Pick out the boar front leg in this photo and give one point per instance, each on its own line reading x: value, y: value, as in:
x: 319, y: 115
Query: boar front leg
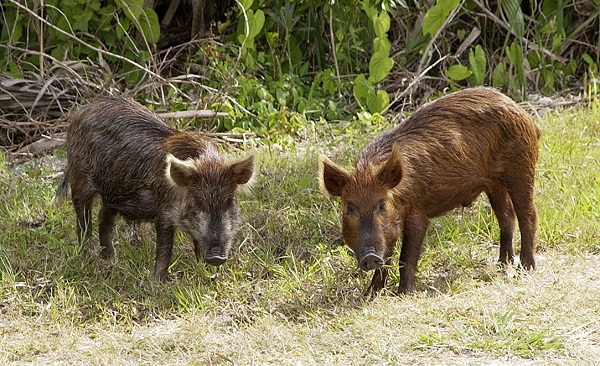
x: 165, y: 232
x: 415, y: 227
x: 379, y: 279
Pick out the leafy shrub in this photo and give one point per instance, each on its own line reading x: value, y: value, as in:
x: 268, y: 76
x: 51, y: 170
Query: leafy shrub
x: 77, y: 29
x: 278, y: 65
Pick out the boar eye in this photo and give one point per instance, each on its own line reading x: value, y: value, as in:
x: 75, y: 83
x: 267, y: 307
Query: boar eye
x: 381, y: 207
x: 351, y: 209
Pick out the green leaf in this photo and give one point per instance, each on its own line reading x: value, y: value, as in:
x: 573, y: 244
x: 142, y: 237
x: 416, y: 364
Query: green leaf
x: 514, y: 15
x: 122, y: 27
x: 367, y: 97
x: 437, y: 15
x: 16, y: 32
x: 379, y: 67
x: 588, y: 59
x: 361, y: 89
x: 295, y: 52
x: 381, y: 24
x: 14, y: 69
x: 249, y: 43
x: 13, y: 29
x: 382, y: 45
x: 109, y: 36
x: 548, y: 78
x: 246, y: 4
x: 80, y: 22
x: 339, y: 35
x: 377, y: 102
x: 256, y: 23
x: 272, y: 38
x: 133, y: 9
x: 64, y: 24
x: 369, y: 9
x: 478, y: 63
x: 361, y: 86
x: 95, y: 5
x: 150, y: 26
x: 515, y: 56
x: 458, y: 72
x: 499, y: 75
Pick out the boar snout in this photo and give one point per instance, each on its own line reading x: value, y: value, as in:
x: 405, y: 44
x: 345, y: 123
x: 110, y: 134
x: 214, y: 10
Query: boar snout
x: 215, y: 256
x: 370, y: 260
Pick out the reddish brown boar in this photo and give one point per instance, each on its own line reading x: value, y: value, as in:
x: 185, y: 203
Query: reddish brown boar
x: 441, y: 157
x: 144, y: 169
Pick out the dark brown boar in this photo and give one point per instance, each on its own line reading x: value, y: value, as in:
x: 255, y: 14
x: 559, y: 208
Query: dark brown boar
x: 441, y: 157
x: 143, y: 169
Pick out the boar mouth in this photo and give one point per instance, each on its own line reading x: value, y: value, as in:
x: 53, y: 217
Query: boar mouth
x: 369, y: 260
x: 215, y: 257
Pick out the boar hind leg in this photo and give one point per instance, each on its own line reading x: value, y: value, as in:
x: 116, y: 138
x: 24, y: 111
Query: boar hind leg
x: 503, y: 209
x: 415, y: 227
x: 83, y: 211
x: 107, y: 222
x: 522, y: 199
x: 164, y: 249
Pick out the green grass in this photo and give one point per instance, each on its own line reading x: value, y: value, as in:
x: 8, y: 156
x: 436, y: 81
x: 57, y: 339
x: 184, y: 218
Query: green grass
x: 292, y: 293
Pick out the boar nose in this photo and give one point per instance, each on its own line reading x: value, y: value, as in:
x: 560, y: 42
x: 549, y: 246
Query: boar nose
x: 370, y: 260
x: 215, y: 256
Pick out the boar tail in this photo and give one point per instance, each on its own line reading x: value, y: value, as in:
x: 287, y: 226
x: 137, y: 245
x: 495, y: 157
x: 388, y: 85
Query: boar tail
x: 61, y: 192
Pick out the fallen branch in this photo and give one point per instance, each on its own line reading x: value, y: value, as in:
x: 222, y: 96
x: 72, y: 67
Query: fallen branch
x: 233, y: 135
x: 203, y: 113
x: 42, y: 145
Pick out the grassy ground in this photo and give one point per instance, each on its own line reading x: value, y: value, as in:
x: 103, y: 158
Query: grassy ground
x: 292, y: 294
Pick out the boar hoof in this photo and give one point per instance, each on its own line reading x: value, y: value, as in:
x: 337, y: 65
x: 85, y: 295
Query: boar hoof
x: 370, y: 261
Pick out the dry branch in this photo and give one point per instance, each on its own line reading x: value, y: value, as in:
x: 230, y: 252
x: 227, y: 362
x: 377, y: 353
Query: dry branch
x: 203, y: 113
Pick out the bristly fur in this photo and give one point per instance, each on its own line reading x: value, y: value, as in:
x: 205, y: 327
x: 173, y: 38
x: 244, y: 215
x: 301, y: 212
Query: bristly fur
x: 443, y: 156
x: 119, y: 150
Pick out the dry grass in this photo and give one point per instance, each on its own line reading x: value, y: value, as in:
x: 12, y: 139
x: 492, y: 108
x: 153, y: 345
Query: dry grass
x: 549, y: 317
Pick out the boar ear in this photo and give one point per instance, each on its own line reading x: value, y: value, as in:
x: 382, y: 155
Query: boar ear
x: 391, y: 172
x: 180, y: 172
x: 332, y: 178
x: 243, y: 170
